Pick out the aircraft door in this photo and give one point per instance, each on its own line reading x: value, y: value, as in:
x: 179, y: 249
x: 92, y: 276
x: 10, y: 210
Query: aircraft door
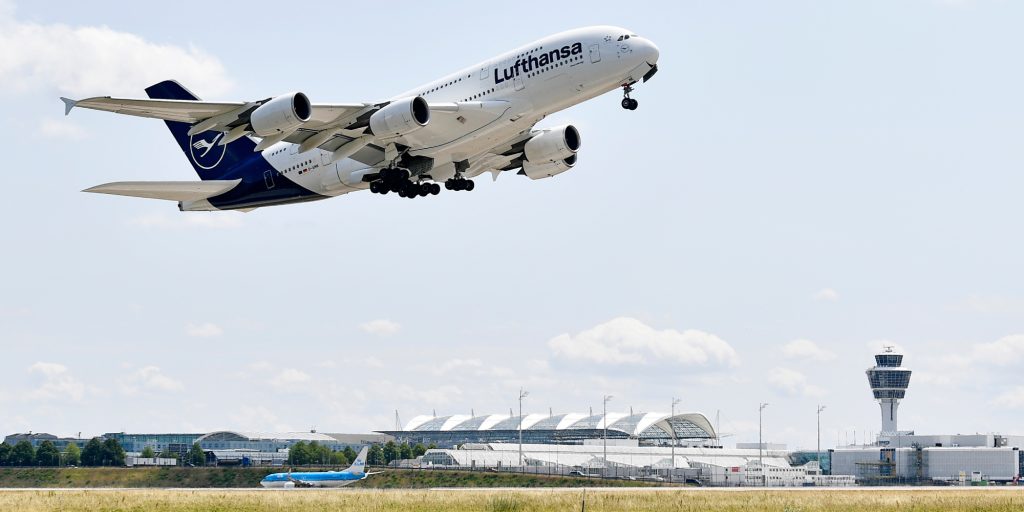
x: 595, y: 53
x: 519, y: 83
x: 268, y: 179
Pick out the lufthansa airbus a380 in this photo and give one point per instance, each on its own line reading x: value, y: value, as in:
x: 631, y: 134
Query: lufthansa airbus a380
x: 479, y: 119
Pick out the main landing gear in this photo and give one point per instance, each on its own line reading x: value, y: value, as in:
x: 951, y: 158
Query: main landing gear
x: 459, y: 183
x: 397, y: 180
x: 627, y: 102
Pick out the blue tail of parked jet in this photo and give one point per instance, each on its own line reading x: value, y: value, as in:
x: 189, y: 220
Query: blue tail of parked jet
x: 210, y: 160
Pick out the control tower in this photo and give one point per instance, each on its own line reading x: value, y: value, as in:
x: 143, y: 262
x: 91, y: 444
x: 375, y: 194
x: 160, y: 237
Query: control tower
x: 889, y: 383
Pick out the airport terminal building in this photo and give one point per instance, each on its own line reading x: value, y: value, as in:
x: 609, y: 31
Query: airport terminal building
x: 648, y: 429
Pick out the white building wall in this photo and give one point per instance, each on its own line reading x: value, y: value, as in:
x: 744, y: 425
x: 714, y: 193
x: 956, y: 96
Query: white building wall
x: 993, y: 464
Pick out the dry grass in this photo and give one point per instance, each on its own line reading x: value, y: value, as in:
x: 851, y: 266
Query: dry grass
x: 513, y: 501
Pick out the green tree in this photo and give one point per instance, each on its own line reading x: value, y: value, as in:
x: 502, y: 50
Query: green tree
x: 196, y: 456
x: 47, y: 454
x: 148, y: 453
x: 418, y: 450
x: 375, y: 456
x: 350, y: 454
x: 298, y: 454
x: 405, y: 451
x: 5, y: 454
x: 113, y: 454
x: 23, y: 454
x: 72, y: 455
x: 432, y: 446
x: 92, y: 455
x: 339, y: 459
x: 318, y: 453
x: 390, y: 452
x: 168, y: 454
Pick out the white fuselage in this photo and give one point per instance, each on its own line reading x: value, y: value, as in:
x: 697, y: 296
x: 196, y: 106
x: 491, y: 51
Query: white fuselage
x: 497, y: 99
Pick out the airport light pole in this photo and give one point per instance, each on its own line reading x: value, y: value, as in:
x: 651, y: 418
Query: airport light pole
x: 760, y: 444
x: 604, y: 468
x: 522, y: 394
x: 672, y: 469
x: 820, y: 408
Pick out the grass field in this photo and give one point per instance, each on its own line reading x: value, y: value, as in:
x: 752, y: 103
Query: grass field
x: 515, y: 500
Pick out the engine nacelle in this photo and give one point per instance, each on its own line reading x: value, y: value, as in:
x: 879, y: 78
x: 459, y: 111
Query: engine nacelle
x: 400, y: 117
x: 282, y: 114
x: 553, y: 145
x: 548, y: 169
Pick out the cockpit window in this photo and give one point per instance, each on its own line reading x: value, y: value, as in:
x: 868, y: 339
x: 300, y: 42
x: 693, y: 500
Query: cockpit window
x: 624, y: 37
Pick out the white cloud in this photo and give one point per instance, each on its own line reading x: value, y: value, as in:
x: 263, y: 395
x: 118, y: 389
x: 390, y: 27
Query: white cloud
x: 1008, y: 350
x: 203, y: 330
x: 1013, y: 398
x: 191, y: 220
x: 381, y: 327
x: 289, y: 377
x: 457, y: 364
x: 628, y: 340
x: 806, y: 349
x: 471, y: 367
x: 57, y: 383
x: 149, y: 378
x: 97, y: 60
x: 259, y: 417
x: 826, y: 295
x: 62, y: 129
x: 421, y: 395
x: 991, y: 305
x: 792, y: 382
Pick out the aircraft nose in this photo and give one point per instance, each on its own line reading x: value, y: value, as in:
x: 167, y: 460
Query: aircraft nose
x: 650, y: 52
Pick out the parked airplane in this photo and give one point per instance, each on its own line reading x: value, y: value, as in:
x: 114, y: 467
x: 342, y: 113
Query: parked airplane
x: 286, y: 149
x: 354, y: 473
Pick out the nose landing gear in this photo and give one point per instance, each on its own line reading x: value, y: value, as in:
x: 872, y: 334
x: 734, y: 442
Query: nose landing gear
x: 627, y: 102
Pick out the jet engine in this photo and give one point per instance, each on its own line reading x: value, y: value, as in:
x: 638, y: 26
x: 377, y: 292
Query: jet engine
x: 400, y: 117
x: 553, y: 145
x: 282, y: 114
x: 548, y: 169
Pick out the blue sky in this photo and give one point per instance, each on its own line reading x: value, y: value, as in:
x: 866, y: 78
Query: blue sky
x: 803, y: 182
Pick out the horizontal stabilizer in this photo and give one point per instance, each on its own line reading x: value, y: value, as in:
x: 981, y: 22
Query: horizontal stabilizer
x: 169, y: 190
x: 68, y: 104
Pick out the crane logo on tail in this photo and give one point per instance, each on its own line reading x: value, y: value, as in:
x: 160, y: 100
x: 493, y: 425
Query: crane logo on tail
x: 207, y: 154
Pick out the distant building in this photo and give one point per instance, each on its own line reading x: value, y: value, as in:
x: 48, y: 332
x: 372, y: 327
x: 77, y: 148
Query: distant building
x: 648, y: 429
x: 136, y: 443
x: 278, y: 441
x: 221, y: 448
x: 628, y: 459
x: 889, y: 383
x: 36, y: 439
x: 902, y: 455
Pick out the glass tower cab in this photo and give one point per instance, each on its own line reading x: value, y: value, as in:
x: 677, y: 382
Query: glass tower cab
x: 889, y: 382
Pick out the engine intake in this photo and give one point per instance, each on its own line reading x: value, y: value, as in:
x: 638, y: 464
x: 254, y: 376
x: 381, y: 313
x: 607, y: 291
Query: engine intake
x: 553, y: 145
x: 282, y: 114
x: 548, y: 169
x: 400, y: 117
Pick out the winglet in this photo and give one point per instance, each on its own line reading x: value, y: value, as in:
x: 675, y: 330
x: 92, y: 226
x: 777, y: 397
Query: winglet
x: 68, y: 104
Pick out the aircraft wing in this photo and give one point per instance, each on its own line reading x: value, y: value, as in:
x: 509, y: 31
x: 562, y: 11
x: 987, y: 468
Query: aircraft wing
x: 196, y: 111
x: 169, y: 190
x: 505, y: 156
x: 328, y: 124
